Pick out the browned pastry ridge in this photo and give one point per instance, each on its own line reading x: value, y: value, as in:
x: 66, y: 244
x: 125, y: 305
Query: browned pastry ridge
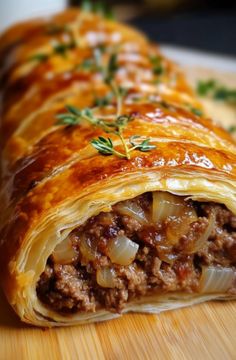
x: 146, y: 225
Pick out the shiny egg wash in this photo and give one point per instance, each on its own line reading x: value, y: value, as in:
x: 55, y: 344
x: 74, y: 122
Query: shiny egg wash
x: 117, y: 193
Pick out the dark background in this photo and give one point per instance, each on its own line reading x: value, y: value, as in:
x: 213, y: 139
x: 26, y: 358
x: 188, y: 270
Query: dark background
x: 208, y: 25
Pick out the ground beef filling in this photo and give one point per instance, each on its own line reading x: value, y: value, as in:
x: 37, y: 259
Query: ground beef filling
x: 161, y: 264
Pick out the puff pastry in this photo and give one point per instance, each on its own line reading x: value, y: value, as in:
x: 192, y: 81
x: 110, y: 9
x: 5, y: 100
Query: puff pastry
x: 86, y: 236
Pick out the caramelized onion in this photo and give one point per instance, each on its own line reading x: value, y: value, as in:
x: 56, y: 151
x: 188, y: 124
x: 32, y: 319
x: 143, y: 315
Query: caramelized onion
x: 122, y: 250
x: 105, y: 277
x: 64, y: 253
x: 87, y: 251
x: 165, y: 205
x: 176, y: 212
x: 177, y: 227
x: 216, y: 279
x: 133, y: 210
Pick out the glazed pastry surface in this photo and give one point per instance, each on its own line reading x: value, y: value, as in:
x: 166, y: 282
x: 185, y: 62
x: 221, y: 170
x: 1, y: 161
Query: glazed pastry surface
x: 52, y: 178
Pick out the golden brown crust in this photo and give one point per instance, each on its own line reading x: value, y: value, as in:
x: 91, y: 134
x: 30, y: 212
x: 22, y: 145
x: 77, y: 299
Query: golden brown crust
x: 48, y: 171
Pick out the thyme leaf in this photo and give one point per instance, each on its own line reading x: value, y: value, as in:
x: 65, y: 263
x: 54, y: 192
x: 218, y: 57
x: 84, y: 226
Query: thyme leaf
x: 61, y: 48
x: 66, y: 119
x: 116, y: 126
x: 216, y: 91
x: 57, y: 49
x: 54, y: 29
x: 142, y: 146
x: 157, y: 66
x: 39, y: 57
x: 104, y: 101
x: 196, y: 111
x: 98, y: 8
x: 105, y: 145
x: 94, y: 63
x: 111, y: 69
x: 123, y: 120
x: 232, y: 129
x: 86, y: 6
x: 204, y: 87
x: 224, y: 94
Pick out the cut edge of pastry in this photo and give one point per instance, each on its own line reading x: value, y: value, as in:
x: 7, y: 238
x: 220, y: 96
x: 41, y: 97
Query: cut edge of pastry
x: 25, y: 300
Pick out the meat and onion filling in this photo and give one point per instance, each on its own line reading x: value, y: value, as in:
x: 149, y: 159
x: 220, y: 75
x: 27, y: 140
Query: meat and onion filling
x: 156, y: 243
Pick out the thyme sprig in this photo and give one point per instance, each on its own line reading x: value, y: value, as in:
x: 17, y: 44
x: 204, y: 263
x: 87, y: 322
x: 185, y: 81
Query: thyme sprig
x: 105, y: 146
x: 116, y: 127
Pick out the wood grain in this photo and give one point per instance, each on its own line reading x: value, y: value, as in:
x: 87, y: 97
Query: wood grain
x: 206, y: 331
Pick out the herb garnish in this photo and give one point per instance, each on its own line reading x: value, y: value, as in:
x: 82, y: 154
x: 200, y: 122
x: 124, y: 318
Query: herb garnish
x: 58, y: 48
x: 87, y: 65
x: 61, y: 48
x: 204, y: 87
x: 116, y: 127
x: 94, y: 63
x: 232, y: 129
x: 39, y: 57
x: 225, y: 94
x: 216, y: 91
x: 98, y: 8
x: 196, y: 111
x: 86, y: 5
x: 54, y: 29
x: 144, y: 146
x: 104, y: 101
x: 112, y: 67
x: 157, y: 66
x: 105, y: 145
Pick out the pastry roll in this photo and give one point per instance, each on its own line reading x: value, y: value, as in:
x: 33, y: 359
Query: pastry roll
x: 118, y: 195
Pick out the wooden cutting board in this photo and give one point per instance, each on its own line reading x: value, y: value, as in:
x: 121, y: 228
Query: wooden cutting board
x: 206, y: 331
